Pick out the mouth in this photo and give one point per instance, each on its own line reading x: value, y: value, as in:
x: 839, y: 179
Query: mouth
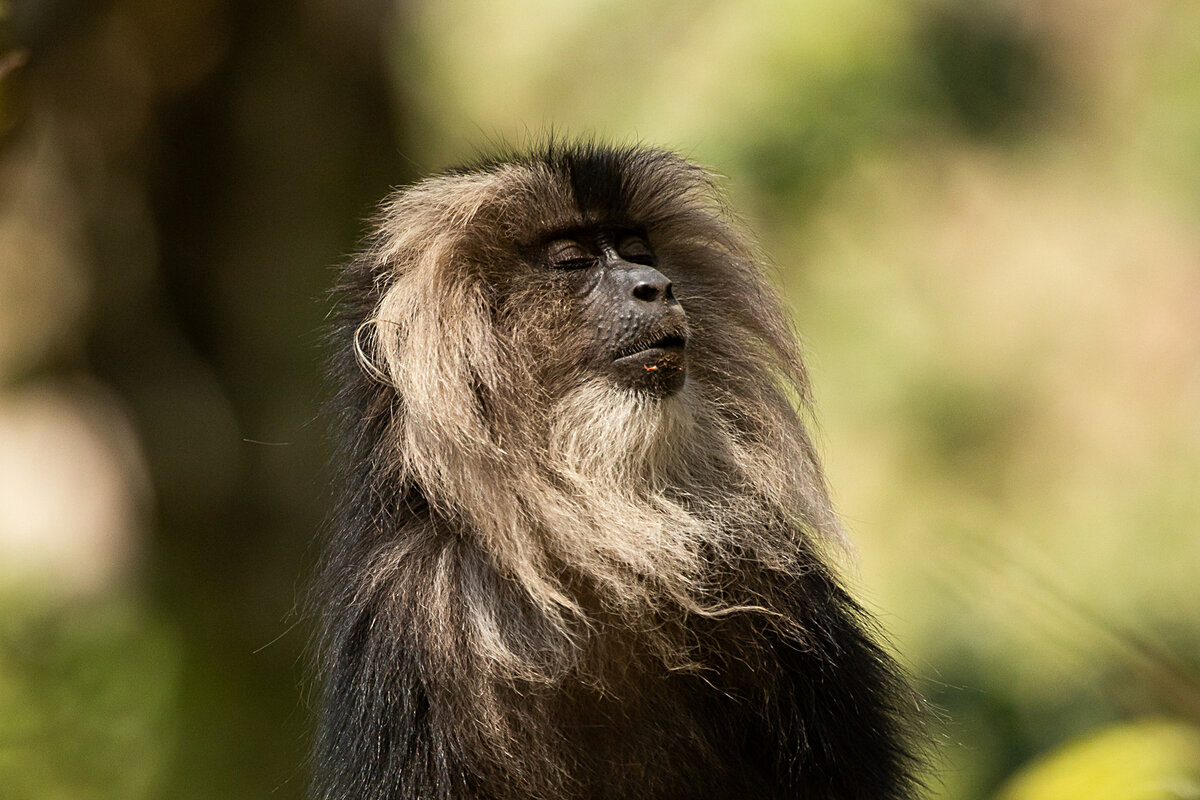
x: 657, y: 364
x: 646, y: 350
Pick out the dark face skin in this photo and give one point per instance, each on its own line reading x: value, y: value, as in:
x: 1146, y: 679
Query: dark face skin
x: 640, y: 328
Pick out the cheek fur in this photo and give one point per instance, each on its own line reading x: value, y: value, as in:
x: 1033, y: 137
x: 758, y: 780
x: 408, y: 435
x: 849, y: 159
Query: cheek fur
x: 544, y: 323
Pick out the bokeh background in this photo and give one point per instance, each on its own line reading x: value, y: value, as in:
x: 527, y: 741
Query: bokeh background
x: 985, y: 216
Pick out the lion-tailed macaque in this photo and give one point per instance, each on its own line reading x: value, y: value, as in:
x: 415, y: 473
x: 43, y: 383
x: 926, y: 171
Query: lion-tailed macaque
x: 583, y: 542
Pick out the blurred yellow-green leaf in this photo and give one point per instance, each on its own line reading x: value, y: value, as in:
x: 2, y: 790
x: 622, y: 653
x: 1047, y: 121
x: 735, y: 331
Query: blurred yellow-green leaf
x: 1148, y: 760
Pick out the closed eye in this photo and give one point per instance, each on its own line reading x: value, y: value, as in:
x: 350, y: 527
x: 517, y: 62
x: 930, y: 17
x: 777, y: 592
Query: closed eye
x: 569, y: 254
x: 636, y: 249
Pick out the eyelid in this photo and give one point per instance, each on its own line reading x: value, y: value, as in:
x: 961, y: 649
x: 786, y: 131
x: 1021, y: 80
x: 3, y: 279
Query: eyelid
x: 568, y: 254
x: 634, y: 246
x: 562, y: 246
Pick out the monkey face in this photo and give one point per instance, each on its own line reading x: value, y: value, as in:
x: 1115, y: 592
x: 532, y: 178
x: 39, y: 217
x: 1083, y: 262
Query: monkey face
x: 639, y: 330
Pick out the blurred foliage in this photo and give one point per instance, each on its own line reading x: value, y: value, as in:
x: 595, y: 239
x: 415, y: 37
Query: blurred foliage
x: 87, y: 700
x: 1151, y: 760
x: 984, y: 212
x: 983, y: 69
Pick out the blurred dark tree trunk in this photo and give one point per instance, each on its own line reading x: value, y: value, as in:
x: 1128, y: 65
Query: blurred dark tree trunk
x: 263, y: 176
x: 265, y: 134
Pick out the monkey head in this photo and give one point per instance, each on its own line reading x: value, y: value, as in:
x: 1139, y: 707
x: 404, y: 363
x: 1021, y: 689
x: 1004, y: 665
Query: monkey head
x: 581, y: 341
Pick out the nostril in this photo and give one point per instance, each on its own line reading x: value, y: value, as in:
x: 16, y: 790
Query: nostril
x: 647, y: 291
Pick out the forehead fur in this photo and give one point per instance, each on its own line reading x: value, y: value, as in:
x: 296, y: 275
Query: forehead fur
x: 558, y: 187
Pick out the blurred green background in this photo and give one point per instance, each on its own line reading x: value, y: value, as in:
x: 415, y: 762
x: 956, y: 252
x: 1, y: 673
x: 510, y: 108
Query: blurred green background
x: 985, y: 216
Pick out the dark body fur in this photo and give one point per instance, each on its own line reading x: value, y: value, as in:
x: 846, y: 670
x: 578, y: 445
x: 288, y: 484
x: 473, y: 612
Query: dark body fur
x: 542, y: 586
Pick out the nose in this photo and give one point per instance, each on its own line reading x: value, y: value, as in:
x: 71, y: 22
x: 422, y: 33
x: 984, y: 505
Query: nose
x: 649, y: 285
